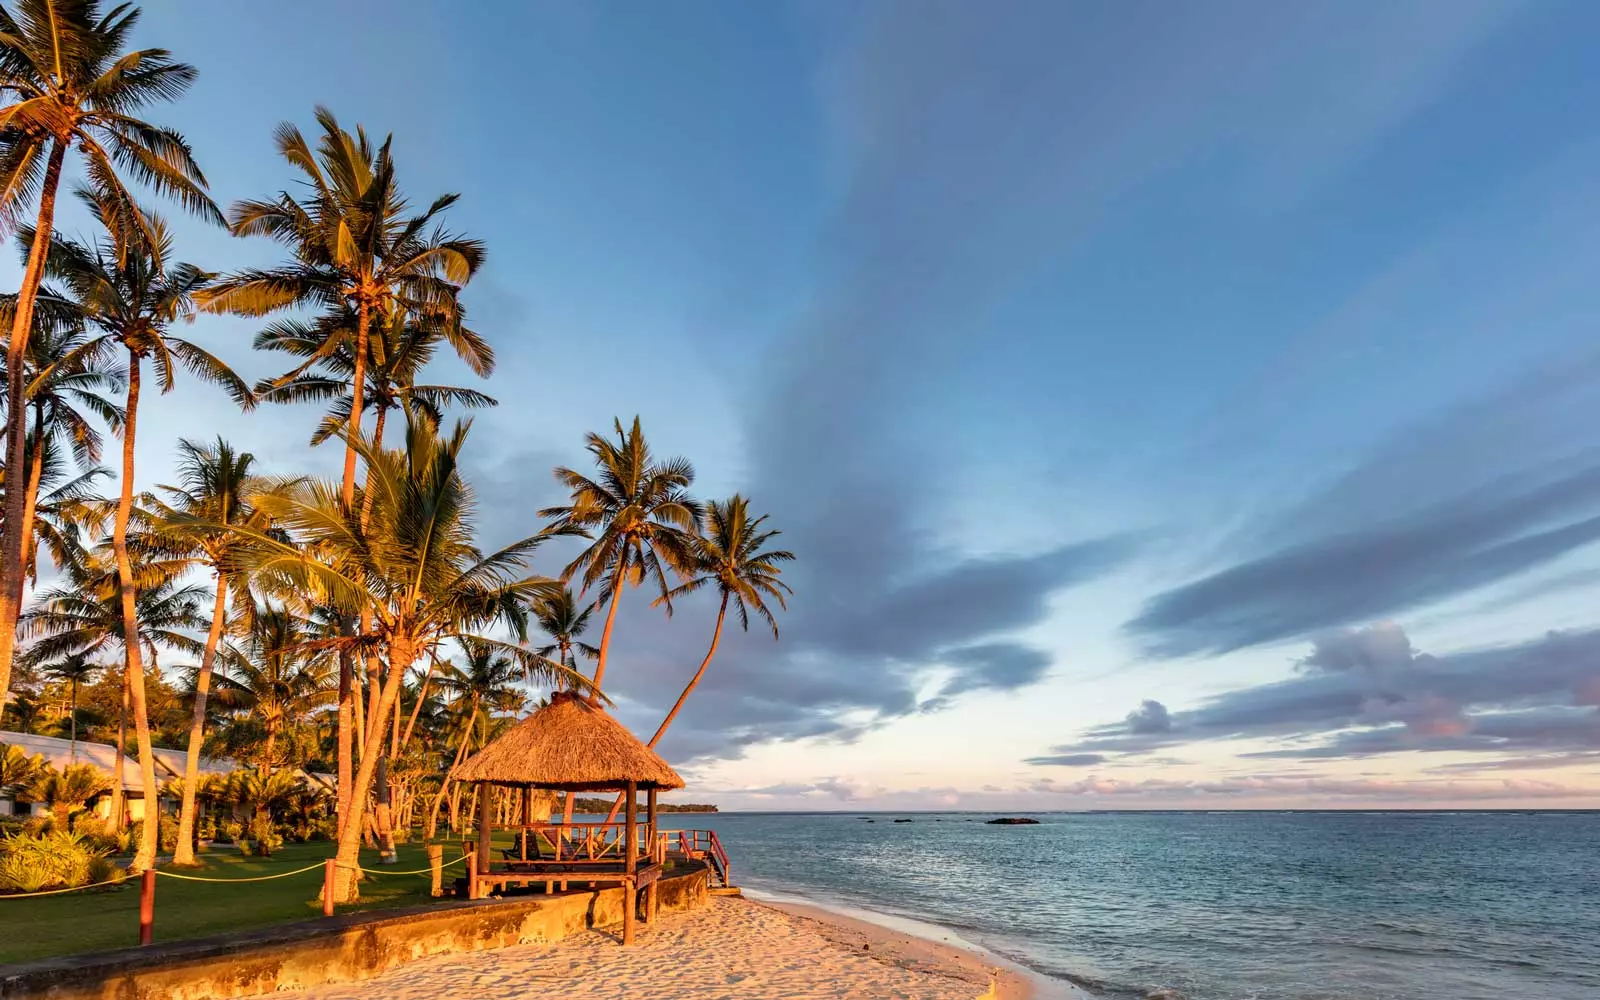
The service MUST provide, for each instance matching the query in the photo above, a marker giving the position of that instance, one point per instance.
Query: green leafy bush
(166, 833)
(263, 838)
(53, 860)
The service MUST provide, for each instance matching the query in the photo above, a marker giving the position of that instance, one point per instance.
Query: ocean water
(1221, 906)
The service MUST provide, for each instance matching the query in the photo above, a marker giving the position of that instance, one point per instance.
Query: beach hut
(572, 745)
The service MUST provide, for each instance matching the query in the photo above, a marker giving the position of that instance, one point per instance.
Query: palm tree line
(365, 602)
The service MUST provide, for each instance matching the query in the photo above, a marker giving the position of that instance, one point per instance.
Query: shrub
(263, 838)
(229, 832)
(54, 860)
(166, 833)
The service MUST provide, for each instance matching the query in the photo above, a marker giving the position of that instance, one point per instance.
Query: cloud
(1367, 692)
(1070, 760)
(1491, 489)
(1149, 717)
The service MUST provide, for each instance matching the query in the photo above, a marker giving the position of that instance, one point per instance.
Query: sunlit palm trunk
(146, 855)
(400, 657)
(383, 813)
(30, 505)
(118, 768)
(611, 619)
(716, 637)
(11, 546)
(184, 855)
(347, 805)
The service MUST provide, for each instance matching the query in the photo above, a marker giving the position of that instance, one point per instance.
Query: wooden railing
(698, 844)
(589, 841)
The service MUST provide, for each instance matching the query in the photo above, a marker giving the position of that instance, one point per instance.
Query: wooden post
(629, 836)
(147, 904)
(472, 875)
(485, 827)
(330, 869)
(436, 862)
(650, 898)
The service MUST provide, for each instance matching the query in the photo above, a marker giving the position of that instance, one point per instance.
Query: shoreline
(1011, 980)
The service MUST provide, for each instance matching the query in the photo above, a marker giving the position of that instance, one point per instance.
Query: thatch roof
(569, 745)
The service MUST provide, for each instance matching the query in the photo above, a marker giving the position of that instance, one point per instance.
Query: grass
(104, 919)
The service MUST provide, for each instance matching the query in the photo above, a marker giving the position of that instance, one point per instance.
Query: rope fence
(256, 878)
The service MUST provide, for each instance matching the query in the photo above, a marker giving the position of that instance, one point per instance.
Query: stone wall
(333, 949)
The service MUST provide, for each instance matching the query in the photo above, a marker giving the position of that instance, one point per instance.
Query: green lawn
(98, 920)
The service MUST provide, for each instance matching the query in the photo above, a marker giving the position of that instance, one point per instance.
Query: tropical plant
(18, 768)
(131, 293)
(71, 84)
(68, 789)
(639, 515)
(410, 563)
(275, 679)
(559, 618)
(63, 508)
(55, 859)
(731, 557)
(215, 486)
(74, 671)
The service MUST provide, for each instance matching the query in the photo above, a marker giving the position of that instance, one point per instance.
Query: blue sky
(1169, 404)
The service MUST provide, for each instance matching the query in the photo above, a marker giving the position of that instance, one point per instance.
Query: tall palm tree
(131, 295)
(71, 84)
(65, 510)
(410, 563)
(639, 514)
(731, 557)
(355, 250)
(215, 487)
(75, 670)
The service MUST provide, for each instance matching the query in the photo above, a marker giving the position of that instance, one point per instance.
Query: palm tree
(64, 510)
(74, 671)
(642, 513)
(131, 294)
(559, 618)
(355, 250)
(485, 684)
(730, 556)
(215, 486)
(276, 679)
(68, 789)
(62, 389)
(17, 768)
(71, 84)
(410, 563)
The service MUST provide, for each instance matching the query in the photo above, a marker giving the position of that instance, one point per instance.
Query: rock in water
(1013, 821)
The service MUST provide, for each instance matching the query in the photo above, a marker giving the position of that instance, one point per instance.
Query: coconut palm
(276, 679)
(73, 671)
(559, 618)
(66, 509)
(410, 563)
(215, 486)
(357, 253)
(68, 789)
(63, 390)
(71, 84)
(131, 294)
(639, 514)
(731, 557)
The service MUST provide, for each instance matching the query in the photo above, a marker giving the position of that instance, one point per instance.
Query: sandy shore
(733, 949)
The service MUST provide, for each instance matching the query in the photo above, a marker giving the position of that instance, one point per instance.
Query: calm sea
(1222, 906)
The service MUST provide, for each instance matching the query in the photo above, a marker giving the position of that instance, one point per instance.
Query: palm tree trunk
(346, 751)
(118, 805)
(461, 753)
(31, 500)
(611, 617)
(716, 636)
(146, 856)
(184, 854)
(16, 405)
(74, 757)
(416, 710)
(400, 657)
(347, 803)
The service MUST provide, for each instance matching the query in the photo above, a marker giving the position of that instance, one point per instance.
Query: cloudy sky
(1169, 405)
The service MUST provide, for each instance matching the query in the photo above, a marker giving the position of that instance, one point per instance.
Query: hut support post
(650, 899)
(629, 851)
(485, 826)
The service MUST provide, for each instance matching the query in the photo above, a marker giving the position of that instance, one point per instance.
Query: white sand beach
(732, 949)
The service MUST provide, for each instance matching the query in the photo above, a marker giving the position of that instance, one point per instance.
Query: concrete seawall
(329, 950)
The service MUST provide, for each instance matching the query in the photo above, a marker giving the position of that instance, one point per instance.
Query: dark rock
(902, 821)
(1013, 821)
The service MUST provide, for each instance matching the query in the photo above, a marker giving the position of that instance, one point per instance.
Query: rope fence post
(329, 869)
(147, 904)
(436, 864)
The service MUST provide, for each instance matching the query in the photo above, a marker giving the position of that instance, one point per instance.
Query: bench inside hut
(571, 745)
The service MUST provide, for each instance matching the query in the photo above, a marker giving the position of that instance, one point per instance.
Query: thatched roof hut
(569, 745)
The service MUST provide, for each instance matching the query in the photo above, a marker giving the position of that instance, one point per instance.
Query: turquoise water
(1222, 906)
